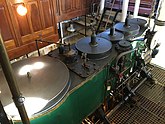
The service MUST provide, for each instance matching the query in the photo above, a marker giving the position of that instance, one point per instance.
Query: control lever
(85, 59)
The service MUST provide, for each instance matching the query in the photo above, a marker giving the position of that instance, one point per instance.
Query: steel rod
(85, 25)
(12, 83)
(37, 48)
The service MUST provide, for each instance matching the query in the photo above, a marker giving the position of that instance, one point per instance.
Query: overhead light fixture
(21, 10)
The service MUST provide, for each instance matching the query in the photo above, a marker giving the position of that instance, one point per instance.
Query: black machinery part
(131, 29)
(123, 46)
(159, 22)
(128, 29)
(138, 21)
(98, 49)
(83, 68)
(114, 37)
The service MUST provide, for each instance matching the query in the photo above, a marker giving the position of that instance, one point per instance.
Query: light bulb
(21, 10)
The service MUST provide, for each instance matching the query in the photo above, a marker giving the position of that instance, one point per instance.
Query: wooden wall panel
(76, 4)
(47, 16)
(34, 15)
(86, 6)
(66, 6)
(22, 21)
(86, 3)
(57, 6)
(39, 20)
(6, 27)
(69, 9)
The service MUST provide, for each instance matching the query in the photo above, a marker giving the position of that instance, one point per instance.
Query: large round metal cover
(116, 37)
(124, 44)
(42, 77)
(95, 52)
(132, 29)
(139, 21)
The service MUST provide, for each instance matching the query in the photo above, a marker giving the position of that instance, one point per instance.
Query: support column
(124, 10)
(102, 4)
(136, 8)
(161, 10)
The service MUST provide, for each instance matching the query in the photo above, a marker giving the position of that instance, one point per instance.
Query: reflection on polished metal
(12, 83)
(42, 77)
(97, 49)
(127, 28)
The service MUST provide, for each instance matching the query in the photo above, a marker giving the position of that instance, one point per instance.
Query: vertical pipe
(159, 13)
(12, 83)
(136, 8)
(61, 32)
(161, 10)
(85, 25)
(124, 10)
(37, 48)
(102, 4)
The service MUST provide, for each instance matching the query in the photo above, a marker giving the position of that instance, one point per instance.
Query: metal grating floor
(150, 108)
(159, 74)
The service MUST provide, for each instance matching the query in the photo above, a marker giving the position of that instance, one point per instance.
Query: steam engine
(92, 77)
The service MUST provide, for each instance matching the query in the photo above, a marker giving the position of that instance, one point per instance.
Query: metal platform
(150, 108)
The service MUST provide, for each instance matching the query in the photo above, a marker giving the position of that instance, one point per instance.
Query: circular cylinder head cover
(138, 21)
(38, 77)
(129, 30)
(123, 46)
(117, 36)
(99, 51)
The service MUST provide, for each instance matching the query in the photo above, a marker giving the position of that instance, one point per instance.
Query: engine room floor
(150, 105)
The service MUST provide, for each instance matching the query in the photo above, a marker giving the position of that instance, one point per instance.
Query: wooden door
(66, 6)
(6, 28)
(86, 6)
(39, 21)
(69, 9)
(76, 5)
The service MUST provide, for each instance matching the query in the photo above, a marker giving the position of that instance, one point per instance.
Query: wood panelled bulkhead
(68, 9)
(20, 32)
(6, 27)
